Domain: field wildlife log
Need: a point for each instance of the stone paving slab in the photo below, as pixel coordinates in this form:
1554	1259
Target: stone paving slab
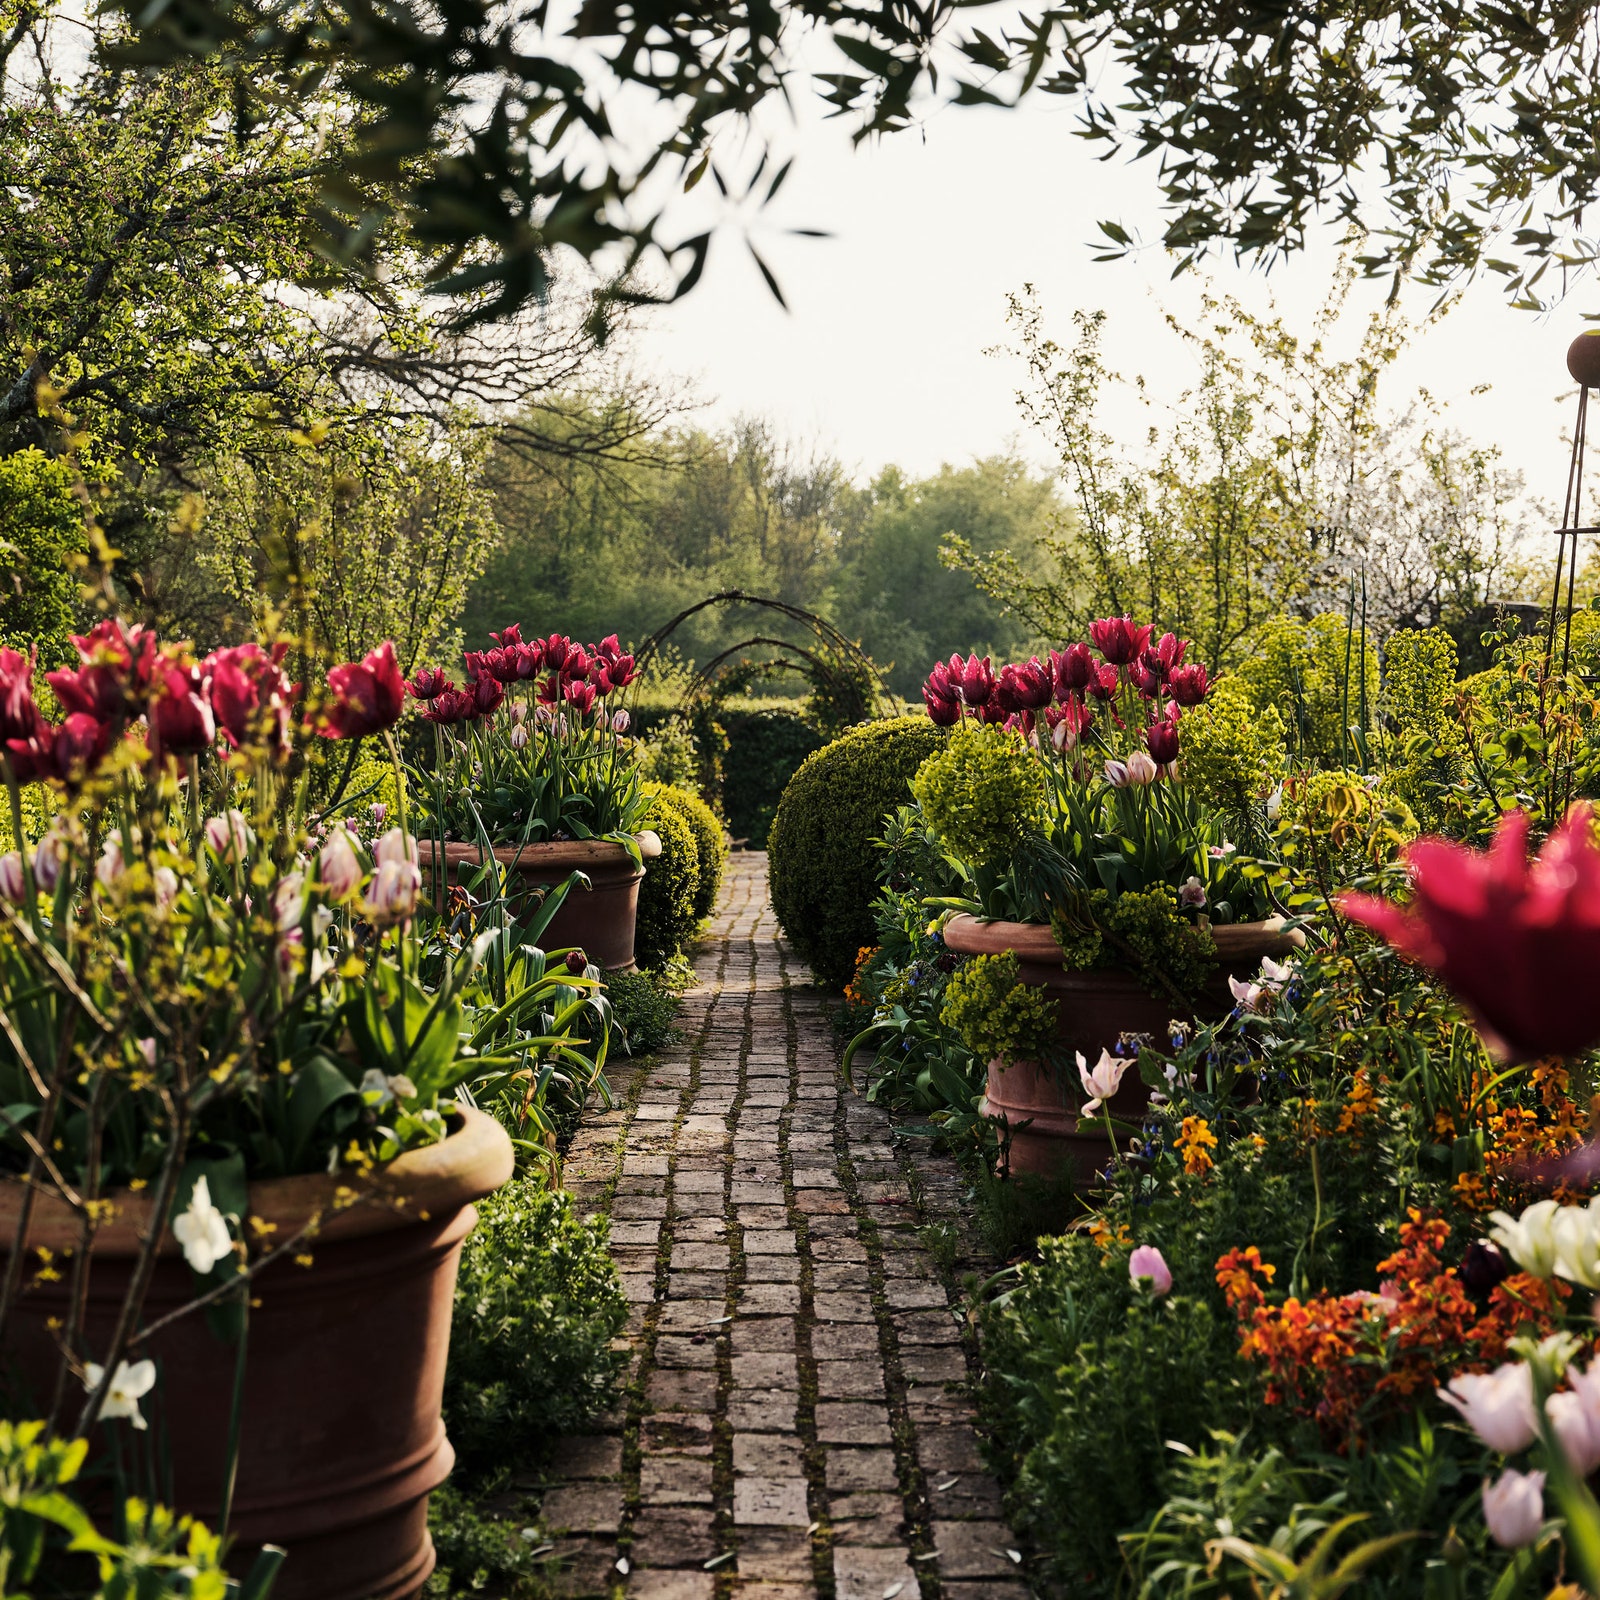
797	1425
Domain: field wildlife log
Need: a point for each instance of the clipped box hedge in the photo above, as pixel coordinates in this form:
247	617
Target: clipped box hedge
824	866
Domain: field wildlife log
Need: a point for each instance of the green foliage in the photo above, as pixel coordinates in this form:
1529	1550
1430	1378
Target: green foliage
1419	680
48	1539
905	605
1298	670
1143	929
667	896
477	1554
644	1008
765	749
824	861
983	794
995	1014
711	844
671	752
1233	755
41	529
537	1307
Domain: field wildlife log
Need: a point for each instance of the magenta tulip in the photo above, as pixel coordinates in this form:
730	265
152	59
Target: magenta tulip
366	696
1518	943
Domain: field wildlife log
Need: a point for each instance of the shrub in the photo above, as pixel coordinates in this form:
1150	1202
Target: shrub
765	749
537	1307
982	795
475	1551
41	529
666	897
710	840
824	859
643	1008
1234	756
670	754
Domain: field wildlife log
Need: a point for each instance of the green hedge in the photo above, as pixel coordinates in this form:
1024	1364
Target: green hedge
711	844
823	864
765	748
666	897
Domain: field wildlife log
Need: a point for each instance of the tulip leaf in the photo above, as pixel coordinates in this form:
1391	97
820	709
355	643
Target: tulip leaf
318	1086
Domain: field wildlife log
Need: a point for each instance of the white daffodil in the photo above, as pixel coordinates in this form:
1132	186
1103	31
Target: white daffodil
378	1082
202	1230
129	1384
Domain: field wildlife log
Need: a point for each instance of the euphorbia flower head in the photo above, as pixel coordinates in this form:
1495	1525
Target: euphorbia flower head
1074	669
1161	739
367	696
1101	1081
19	716
1120	639
181	722
113	675
941	712
249	694
1025	685
429	684
973	680
1189	684
1517	942
508	636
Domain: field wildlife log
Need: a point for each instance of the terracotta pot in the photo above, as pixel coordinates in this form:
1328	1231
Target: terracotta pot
599	920
342	1441
1093	1009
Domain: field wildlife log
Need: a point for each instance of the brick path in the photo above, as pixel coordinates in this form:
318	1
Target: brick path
796	1424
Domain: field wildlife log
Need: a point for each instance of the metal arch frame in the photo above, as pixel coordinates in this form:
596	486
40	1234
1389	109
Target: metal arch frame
1567	553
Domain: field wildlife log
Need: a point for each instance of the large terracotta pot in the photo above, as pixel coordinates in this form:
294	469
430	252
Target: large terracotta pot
1093	1010
342	1441
600	919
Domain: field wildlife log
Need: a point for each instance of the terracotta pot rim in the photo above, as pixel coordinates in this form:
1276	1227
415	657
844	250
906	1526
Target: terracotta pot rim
547	852
418	1186
1034	941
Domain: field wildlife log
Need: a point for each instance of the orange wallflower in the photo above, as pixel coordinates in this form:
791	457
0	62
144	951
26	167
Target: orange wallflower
1197	1141
1361	1104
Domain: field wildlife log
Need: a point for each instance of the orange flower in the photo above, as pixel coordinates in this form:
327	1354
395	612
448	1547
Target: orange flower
1361	1104
1197	1141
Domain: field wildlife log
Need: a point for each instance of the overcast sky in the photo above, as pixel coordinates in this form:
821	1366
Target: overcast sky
881	356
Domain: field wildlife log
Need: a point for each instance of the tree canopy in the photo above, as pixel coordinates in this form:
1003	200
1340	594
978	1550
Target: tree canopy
1460	136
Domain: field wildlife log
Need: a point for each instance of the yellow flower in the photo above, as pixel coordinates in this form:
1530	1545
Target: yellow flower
1197	1141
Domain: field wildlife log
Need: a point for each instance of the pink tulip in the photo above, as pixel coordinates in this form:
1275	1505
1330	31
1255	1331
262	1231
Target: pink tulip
1120	639
1101	1081
1073	669
13	879
1575	1416
228	836
1147	1265
365	696
338	870
1142	771
1497	1406
1189	685
1513	1508
1517	942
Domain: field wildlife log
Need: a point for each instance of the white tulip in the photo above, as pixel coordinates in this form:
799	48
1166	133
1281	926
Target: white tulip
1513	1508
1530	1240
1102	1081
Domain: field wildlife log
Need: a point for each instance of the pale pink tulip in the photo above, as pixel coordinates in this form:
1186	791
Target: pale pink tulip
1513	1508
13	879
1100	1082
337	866
1497	1406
